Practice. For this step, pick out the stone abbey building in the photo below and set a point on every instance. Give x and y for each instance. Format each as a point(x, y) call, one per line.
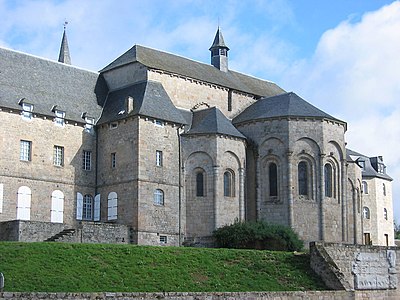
point(160, 149)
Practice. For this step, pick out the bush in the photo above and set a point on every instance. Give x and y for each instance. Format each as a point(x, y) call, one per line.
point(257, 235)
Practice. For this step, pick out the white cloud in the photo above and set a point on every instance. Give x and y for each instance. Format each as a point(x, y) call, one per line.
point(354, 75)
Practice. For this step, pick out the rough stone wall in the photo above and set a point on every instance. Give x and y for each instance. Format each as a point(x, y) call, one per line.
point(303, 295)
point(356, 267)
point(39, 174)
point(213, 156)
point(354, 205)
point(158, 220)
point(187, 93)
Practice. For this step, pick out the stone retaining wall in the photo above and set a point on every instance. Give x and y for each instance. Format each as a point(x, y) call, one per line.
point(306, 295)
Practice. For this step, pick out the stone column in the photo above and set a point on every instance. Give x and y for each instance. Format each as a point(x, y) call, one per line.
point(290, 187)
point(344, 200)
point(216, 195)
point(241, 195)
point(258, 182)
point(322, 198)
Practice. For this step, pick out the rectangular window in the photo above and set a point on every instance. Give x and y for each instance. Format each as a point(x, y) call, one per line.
point(59, 119)
point(163, 239)
point(25, 148)
point(58, 156)
point(159, 158)
point(27, 111)
point(87, 160)
point(367, 239)
point(113, 160)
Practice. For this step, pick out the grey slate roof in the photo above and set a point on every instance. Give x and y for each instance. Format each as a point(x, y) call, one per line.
point(218, 41)
point(369, 170)
point(46, 83)
point(159, 60)
point(150, 100)
point(212, 121)
point(64, 55)
point(283, 105)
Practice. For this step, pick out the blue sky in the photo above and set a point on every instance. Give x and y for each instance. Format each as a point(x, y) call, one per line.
point(342, 56)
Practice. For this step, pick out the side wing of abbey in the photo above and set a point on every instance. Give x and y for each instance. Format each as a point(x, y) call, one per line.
point(171, 149)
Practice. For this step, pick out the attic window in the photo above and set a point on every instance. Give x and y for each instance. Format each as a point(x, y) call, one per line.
point(158, 123)
point(129, 104)
point(361, 163)
point(27, 111)
point(60, 117)
point(113, 125)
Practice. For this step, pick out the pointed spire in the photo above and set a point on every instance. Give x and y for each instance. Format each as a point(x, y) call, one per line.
point(219, 52)
point(64, 56)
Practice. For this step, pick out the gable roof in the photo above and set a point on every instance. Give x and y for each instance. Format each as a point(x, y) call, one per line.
point(368, 170)
point(212, 121)
point(159, 60)
point(149, 99)
point(283, 105)
point(46, 83)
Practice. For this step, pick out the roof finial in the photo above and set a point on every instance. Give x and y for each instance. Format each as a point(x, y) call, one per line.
point(64, 56)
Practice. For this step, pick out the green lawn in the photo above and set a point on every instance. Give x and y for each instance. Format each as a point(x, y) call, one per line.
point(61, 267)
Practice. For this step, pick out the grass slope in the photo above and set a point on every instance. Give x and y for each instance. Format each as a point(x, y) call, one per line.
point(61, 267)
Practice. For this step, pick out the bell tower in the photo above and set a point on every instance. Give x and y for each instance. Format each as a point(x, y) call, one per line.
point(219, 52)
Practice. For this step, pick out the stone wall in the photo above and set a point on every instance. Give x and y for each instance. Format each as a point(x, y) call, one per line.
point(28, 231)
point(306, 295)
point(356, 267)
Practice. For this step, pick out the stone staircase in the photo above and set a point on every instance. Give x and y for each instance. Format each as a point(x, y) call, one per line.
point(61, 235)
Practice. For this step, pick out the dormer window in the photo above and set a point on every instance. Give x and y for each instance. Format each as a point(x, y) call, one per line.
point(60, 117)
point(89, 124)
point(361, 163)
point(27, 109)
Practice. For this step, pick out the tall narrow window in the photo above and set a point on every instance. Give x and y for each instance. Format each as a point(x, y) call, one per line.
point(112, 206)
point(200, 184)
point(87, 207)
point(328, 180)
point(27, 111)
point(385, 214)
point(366, 213)
point(230, 100)
point(25, 150)
point(229, 184)
point(60, 117)
point(273, 179)
point(87, 160)
point(58, 156)
point(113, 160)
point(57, 207)
point(365, 187)
point(159, 158)
point(24, 203)
point(303, 178)
point(384, 189)
point(158, 197)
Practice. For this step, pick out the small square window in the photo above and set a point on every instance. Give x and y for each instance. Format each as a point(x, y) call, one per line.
point(113, 125)
point(159, 158)
point(163, 239)
point(113, 160)
point(158, 123)
point(58, 156)
point(25, 148)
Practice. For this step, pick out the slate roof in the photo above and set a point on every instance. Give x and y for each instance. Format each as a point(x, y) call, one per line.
point(46, 83)
point(159, 60)
point(212, 121)
point(218, 41)
point(283, 105)
point(149, 99)
point(369, 170)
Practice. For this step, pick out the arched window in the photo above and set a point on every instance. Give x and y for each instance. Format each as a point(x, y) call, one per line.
point(328, 180)
point(384, 189)
point(273, 179)
point(229, 184)
point(57, 207)
point(200, 184)
point(365, 187)
point(87, 207)
point(24, 203)
point(385, 214)
point(366, 213)
point(158, 197)
point(303, 178)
